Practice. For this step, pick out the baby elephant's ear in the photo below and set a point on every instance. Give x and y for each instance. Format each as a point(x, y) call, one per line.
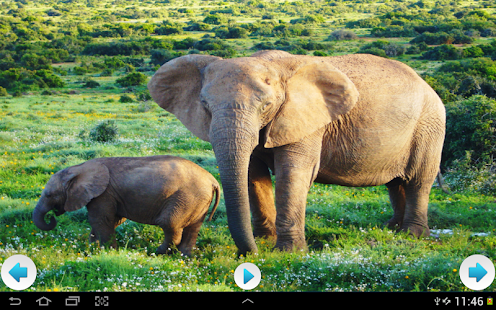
point(85, 182)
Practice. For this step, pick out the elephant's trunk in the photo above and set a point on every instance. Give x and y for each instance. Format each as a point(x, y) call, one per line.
point(233, 141)
point(39, 217)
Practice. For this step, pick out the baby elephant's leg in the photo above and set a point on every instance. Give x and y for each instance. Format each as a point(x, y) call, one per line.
point(172, 237)
point(190, 234)
point(103, 226)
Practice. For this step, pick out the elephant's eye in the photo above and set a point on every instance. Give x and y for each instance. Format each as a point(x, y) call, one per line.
point(265, 106)
point(204, 103)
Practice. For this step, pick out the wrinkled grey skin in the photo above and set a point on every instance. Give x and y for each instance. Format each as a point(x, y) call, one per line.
point(354, 120)
point(171, 192)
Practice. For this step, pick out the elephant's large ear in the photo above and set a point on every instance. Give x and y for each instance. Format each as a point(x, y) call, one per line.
point(176, 88)
point(316, 94)
point(83, 183)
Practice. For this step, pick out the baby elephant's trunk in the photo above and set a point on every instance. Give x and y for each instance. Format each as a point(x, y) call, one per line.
point(217, 198)
point(39, 214)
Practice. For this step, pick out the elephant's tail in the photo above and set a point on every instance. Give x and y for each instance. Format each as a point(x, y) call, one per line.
point(217, 199)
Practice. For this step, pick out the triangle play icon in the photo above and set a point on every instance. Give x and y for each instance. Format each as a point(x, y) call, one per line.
point(247, 276)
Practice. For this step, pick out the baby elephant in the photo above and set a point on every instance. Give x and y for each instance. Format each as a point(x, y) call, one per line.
point(168, 191)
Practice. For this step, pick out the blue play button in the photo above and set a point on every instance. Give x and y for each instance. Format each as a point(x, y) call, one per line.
point(247, 276)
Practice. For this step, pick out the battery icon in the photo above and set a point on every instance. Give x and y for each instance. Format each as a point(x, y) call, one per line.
point(489, 301)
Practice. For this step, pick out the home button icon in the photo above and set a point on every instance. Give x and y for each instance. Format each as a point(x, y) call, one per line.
point(43, 301)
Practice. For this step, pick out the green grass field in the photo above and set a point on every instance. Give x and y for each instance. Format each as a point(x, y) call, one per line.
point(349, 248)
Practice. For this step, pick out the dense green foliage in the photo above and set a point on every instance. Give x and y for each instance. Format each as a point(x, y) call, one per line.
point(72, 88)
point(471, 127)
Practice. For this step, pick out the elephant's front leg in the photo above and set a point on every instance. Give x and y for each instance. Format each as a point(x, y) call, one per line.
point(261, 196)
point(103, 221)
point(296, 167)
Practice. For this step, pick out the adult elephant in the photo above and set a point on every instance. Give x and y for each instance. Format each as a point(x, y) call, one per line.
point(354, 120)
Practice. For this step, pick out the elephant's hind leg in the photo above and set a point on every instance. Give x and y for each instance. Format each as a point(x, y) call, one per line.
point(397, 197)
point(415, 217)
point(421, 173)
point(172, 237)
point(410, 204)
point(190, 234)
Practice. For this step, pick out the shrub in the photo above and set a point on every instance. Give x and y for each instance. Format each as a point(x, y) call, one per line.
point(452, 37)
point(211, 45)
point(374, 51)
point(464, 176)
point(161, 56)
point(470, 127)
point(434, 38)
point(214, 19)
point(125, 99)
point(320, 53)
point(476, 66)
point(443, 52)
point(105, 131)
point(231, 32)
point(132, 79)
point(383, 48)
point(169, 29)
point(91, 84)
point(393, 31)
point(308, 19)
point(417, 48)
point(3, 92)
point(342, 34)
point(46, 78)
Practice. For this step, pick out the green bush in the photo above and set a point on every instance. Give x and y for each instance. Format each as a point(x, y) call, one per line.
point(464, 78)
point(125, 99)
point(443, 52)
point(417, 48)
point(105, 131)
point(169, 29)
point(463, 175)
point(342, 34)
point(383, 48)
point(20, 79)
point(91, 84)
point(215, 19)
point(224, 32)
point(470, 127)
point(3, 92)
point(132, 79)
point(161, 56)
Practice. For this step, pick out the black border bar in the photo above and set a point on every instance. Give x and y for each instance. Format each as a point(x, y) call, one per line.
point(112, 300)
